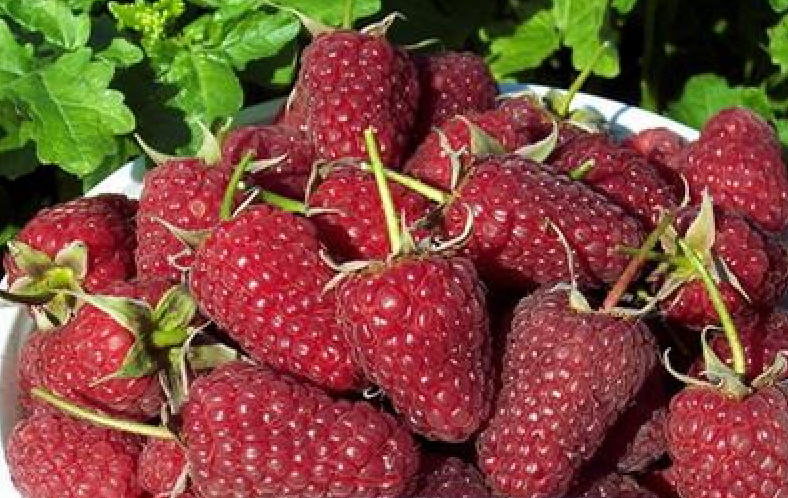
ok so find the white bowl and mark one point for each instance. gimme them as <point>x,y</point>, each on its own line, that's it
<point>15,325</point>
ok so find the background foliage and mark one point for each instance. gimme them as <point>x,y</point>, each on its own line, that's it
<point>78,77</point>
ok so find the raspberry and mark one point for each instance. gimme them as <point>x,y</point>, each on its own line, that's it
<point>161,465</point>
<point>615,486</point>
<point>511,199</point>
<point>420,331</point>
<point>567,376</point>
<point>358,230</point>
<point>252,432</point>
<point>452,83</point>
<point>352,81</point>
<point>449,477</point>
<point>260,277</point>
<point>53,456</point>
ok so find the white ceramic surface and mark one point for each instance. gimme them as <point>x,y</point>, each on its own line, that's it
<point>14,324</point>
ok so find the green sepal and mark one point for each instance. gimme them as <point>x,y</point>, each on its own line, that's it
<point>175,309</point>
<point>773,373</point>
<point>481,142</point>
<point>137,363</point>
<point>131,314</point>
<point>720,374</point>
<point>541,150</point>
<point>210,150</point>
<point>31,261</point>
<point>192,239</point>
<point>210,356</point>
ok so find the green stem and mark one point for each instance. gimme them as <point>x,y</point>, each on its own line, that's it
<point>581,171</point>
<point>428,191</point>
<point>563,108</point>
<point>102,420</point>
<point>650,255</point>
<point>347,18</point>
<point>737,351</point>
<point>226,209</point>
<point>282,202</point>
<point>169,338</point>
<point>392,223</point>
<point>632,269</point>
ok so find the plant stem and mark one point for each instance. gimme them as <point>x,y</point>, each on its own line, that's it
<point>169,338</point>
<point>632,269</point>
<point>282,202</point>
<point>737,351</point>
<point>428,191</point>
<point>650,255</point>
<point>226,209</point>
<point>99,419</point>
<point>563,108</point>
<point>347,19</point>
<point>392,220</point>
<point>581,171</point>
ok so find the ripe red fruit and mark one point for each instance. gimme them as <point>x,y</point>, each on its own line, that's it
<point>29,369</point>
<point>530,116</point>
<point>567,376</point>
<point>290,176</point>
<point>449,477</point>
<point>105,224</point>
<point>452,83</point>
<point>420,331</point>
<point>78,358</point>
<point>53,456</point>
<point>757,260</point>
<point>619,173</point>
<point>657,145</point>
<point>742,169</point>
<point>294,113</point>
<point>351,81</point>
<point>511,199</point>
<point>261,278</point>
<point>358,230</point>
<point>252,432</point>
<point>432,162</point>
<point>161,466</point>
<point>740,123</point>
<point>724,446</point>
<point>186,193</point>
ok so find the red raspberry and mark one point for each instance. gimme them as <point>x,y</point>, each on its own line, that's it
<point>449,477</point>
<point>294,113</point>
<point>186,193</point>
<point>452,83</point>
<point>511,198</point>
<point>432,163</point>
<point>657,145</point>
<point>260,277</point>
<point>352,81</point>
<point>161,465</point>
<point>77,359</point>
<point>567,376</point>
<point>53,456</point>
<point>252,432</point>
<point>742,169</point>
<point>620,174</point>
<point>739,123</point>
<point>758,261</point>
<point>289,177</point>
<point>358,231</point>
<point>661,482</point>
<point>420,331</point>
<point>105,224</point>
<point>529,115</point>
<point>724,446</point>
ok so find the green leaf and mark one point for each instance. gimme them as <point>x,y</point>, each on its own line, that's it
<point>527,47</point>
<point>15,60</point>
<point>149,18</point>
<point>275,72</point>
<point>582,24</point>
<point>782,130</point>
<point>121,52</point>
<point>259,35</point>
<point>83,5</point>
<point>705,94</point>
<point>624,6</point>
<point>70,113</point>
<point>127,150</point>
<point>52,18</point>
<point>779,5</point>
<point>7,232</point>
<point>209,89</point>
<point>778,44</point>
<point>330,12</point>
